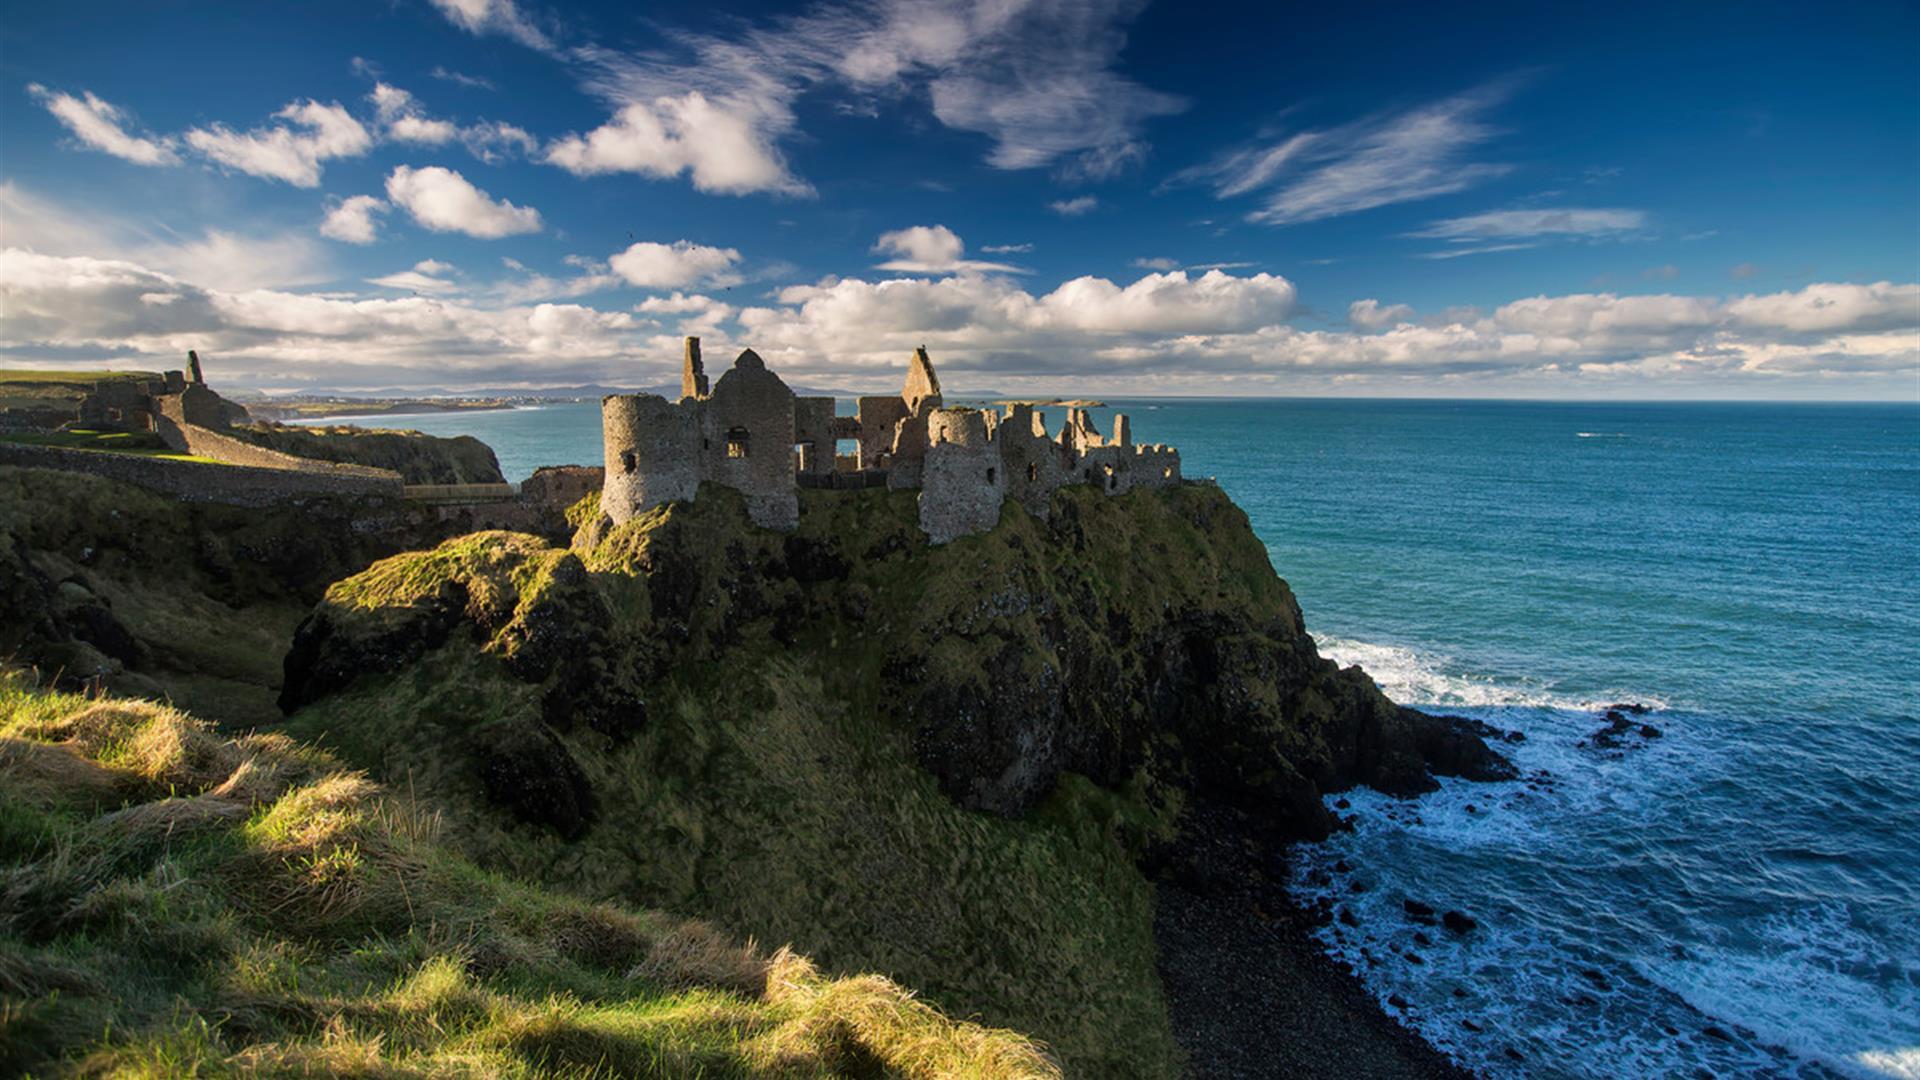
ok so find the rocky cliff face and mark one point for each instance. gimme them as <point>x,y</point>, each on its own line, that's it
<point>796,734</point>
<point>419,459</point>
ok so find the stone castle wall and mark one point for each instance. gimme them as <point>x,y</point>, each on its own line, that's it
<point>652,454</point>
<point>754,435</point>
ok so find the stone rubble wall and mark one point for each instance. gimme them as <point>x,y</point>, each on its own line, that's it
<point>195,481</point>
<point>189,438</point>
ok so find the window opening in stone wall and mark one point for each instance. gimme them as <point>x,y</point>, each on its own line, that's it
<point>990,473</point>
<point>1033,474</point>
<point>737,443</point>
<point>803,456</point>
<point>627,463</point>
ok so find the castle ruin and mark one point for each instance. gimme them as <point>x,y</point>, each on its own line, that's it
<point>750,432</point>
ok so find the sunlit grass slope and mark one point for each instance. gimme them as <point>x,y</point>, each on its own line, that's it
<point>173,903</point>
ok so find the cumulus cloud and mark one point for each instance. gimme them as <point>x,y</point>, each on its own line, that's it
<point>1036,78</point>
<point>931,249</point>
<point>406,121</point>
<point>351,220</point>
<point>103,126</point>
<point>1372,315</point>
<point>1378,161</point>
<point>1079,206</point>
<point>676,265</point>
<point>720,145</point>
<point>293,151</point>
<point>442,200</point>
<point>59,305</point>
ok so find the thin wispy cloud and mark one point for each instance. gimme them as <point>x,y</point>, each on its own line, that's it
<point>1482,249</point>
<point>1079,206</point>
<point>1527,224</point>
<point>102,126</point>
<point>471,82</point>
<point>1391,158</point>
<point>497,17</point>
<point>1007,249</point>
<point>1039,80</point>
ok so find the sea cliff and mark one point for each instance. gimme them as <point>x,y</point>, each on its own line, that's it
<point>969,766</point>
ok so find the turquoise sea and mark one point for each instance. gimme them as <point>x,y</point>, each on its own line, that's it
<point>1737,897</point>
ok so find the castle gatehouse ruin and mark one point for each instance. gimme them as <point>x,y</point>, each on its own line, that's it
<point>750,432</point>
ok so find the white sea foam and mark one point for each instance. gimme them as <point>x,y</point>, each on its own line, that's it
<point>1797,993</point>
<point>1419,678</point>
<point>1601,434</point>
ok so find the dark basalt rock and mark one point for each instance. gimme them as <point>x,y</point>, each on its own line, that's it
<point>1459,922</point>
<point>526,769</point>
<point>1416,909</point>
<point>322,661</point>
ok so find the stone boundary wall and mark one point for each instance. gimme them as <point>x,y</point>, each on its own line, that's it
<point>205,442</point>
<point>194,481</point>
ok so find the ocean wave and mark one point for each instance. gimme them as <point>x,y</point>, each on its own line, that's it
<point>1601,434</point>
<point>1419,678</point>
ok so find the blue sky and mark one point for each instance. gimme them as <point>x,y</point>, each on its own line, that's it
<point>1084,196</point>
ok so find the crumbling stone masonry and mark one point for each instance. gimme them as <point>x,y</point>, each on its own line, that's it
<point>753,434</point>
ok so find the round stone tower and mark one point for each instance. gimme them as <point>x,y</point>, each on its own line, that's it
<point>963,481</point>
<point>652,453</point>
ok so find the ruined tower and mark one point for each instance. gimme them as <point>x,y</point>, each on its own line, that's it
<point>963,481</point>
<point>193,367</point>
<point>693,377</point>
<point>923,386</point>
<point>652,453</point>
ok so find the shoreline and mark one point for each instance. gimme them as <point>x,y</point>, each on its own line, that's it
<point>1250,992</point>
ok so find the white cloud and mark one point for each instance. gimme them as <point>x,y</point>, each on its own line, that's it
<point>1527,224</point>
<point>1370,315</point>
<point>497,141</point>
<point>442,200</point>
<point>471,82</point>
<point>1155,263</point>
<point>676,265</point>
<point>1007,249</point>
<point>102,126</point>
<point>495,16</point>
<point>1037,78</point>
<point>406,121</point>
<point>1481,249</point>
<point>414,281</point>
<point>1828,308</point>
<point>352,220</point>
<point>292,152</point>
<point>217,258</point>
<point>718,143</point>
<point>55,305</point>
<point>1378,161</point>
<point>1075,207</point>
<point>931,249</point>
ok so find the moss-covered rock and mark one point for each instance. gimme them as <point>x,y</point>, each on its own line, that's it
<point>103,582</point>
<point>806,727</point>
